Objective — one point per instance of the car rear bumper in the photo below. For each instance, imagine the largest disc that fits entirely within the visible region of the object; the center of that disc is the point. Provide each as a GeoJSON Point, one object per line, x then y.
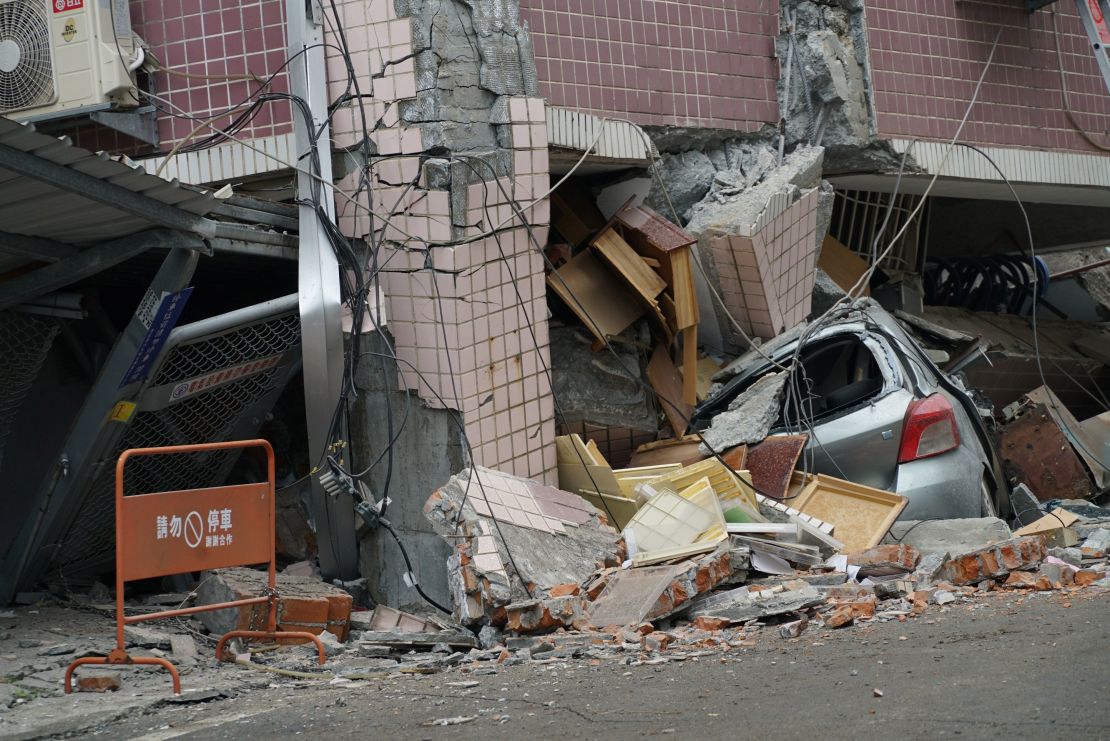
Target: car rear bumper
{"type": "Point", "coordinates": [945, 486]}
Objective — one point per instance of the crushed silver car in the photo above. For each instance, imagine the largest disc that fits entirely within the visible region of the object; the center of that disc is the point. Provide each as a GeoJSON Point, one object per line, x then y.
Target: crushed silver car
{"type": "Point", "coordinates": [878, 412]}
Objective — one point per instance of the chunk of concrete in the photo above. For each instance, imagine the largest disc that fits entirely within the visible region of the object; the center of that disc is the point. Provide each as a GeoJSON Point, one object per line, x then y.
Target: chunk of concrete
{"type": "Point", "coordinates": [995, 561]}
{"type": "Point", "coordinates": [304, 604]}
{"type": "Point", "coordinates": [749, 416]}
{"type": "Point", "coordinates": [727, 210]}
{"type": "Point", "coordinates": [687, 176]}
{"type": "Point", "coordinates": [951, 536]}
{"type": "Point", "coordinates": [508, 532]}
{"type": "Point", "coordinates": [600, 389]}
{"type": "Point", "coordinates": [739, 605]}
{"type": "Point", "coordinates": [1097, 544]}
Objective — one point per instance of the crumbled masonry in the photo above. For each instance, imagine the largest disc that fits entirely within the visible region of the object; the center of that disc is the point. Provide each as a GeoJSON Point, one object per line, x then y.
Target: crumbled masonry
{"type": "Point", "coordinates": [306, 604]}
{"type": "Point", "coordinates": [514, 540]}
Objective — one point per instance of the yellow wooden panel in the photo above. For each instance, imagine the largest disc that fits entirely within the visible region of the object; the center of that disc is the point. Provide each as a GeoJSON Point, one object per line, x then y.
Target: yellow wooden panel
{"type": "Point", "coordinates": [614, 250]}
{"type": "Point", "coordinates": [861, 514]}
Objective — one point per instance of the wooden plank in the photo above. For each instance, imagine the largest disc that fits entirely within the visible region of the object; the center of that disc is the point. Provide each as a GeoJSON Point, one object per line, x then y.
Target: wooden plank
{"type": "Point", "coordinates": [842, 265]}
{"type": "Point", "coordinates": [683, 450]}
{"type": "Point", "coordinates": [860, 514]}
{"type": "Point", "coordinates": [667, 384]}
{"type": "Point", "coordinates": [667, 307]}
{"type": "Point", "coordinates": [682, 286]}
{"type": "Point", "coordinates": [574, 215]}
{"type": "Point", "coordinates": [601, 300]}
{"type": "Point", "coordinates": [614, 250]}
{"type": "Point", "coordinates": [735, 458]}
{"type": "Point", "coordinates": [690, 360]}
{"type": "Point", "coordinates": [622, 509]}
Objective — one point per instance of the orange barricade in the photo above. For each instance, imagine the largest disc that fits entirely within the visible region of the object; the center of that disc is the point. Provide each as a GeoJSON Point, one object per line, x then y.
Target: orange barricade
{"type": "Point", "coordinates": [175, 532]}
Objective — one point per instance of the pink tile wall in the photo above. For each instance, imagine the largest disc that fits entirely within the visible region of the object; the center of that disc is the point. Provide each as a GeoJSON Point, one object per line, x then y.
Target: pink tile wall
{"type": "Point", "coordinates": [218, 39]}
{"type": "Point", "coordinates": [926, 56]}
{"type": "Point", "coordinates": [454, 311]}
{"type": "Point", "coordinates": [766, 279]}
{"type": "Point", "coordinates": [703, 63]}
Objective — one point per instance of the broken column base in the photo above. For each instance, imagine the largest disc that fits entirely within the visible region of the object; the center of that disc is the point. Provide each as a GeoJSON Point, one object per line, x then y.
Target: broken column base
{"type": "Point", "coordinates": [304, 604]}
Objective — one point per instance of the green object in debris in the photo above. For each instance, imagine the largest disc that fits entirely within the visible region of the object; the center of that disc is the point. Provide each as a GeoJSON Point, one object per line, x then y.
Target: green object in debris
{"type": "Point", "coordinates": [737, 514]}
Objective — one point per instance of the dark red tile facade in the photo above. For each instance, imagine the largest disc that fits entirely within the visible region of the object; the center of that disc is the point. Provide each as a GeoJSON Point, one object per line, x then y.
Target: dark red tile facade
{"type": "Point", "coordinates": [213, 40]}
{"type": "Point", "coordinates": [926, 56]}
{"type": "Point", "coordinates": [702, 63]}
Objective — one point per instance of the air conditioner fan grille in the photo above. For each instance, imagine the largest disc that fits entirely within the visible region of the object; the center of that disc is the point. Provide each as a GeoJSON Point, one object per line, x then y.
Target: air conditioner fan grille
{"type": "Point", "coordinates": [26, 71]}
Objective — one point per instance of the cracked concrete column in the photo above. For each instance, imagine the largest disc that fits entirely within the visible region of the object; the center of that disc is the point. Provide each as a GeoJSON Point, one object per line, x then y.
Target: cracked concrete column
{"type": "Point", "coordinates": [457, 142]}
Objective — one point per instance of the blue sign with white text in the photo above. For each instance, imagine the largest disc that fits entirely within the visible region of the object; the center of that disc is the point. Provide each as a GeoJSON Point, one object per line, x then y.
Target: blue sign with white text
{"type": "Point", "coordinates": [165, 319]}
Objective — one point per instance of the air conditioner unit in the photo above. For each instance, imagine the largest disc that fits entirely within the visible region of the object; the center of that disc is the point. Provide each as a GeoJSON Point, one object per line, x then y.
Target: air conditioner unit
{"type": "Point", "coordinates": [59, 56]}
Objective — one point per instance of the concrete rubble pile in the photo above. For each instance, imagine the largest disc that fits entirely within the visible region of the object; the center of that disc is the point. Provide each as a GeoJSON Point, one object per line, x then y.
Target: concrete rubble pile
{"type": "Point", "coordinates": [692, 575]}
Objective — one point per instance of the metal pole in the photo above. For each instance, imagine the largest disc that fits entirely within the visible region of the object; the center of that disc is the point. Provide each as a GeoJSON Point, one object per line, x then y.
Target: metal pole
{"type": "Point", "coordinates": [318, 281]}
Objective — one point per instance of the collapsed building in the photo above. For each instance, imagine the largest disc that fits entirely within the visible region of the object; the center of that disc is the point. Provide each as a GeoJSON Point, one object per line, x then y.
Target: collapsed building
{"type": "Point", "coordinates": [502, 223]}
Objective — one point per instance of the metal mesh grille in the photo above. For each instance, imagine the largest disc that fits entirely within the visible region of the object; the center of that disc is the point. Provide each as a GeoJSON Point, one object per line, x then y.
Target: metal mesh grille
{"type": "Point", "coordinates": [25, 340]}
{"type": "Point", "coordinates": [209, 416]}
{"type": "Point", "coordinates": [251, 343]}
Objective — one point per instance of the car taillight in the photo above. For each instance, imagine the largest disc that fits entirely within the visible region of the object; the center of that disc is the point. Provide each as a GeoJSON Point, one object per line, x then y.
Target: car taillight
{"type": "Point", "coordinates": [929, 429]}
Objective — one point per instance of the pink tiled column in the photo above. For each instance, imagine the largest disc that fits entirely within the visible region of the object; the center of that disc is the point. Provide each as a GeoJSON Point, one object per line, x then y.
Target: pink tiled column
{"type": "Point", "coordinates": [766, 278]}
{"type": "Point", "coordinates": [469, 321]}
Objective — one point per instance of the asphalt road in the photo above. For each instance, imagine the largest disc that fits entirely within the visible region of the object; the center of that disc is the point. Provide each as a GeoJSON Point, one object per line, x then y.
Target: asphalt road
{"type": "Point", "coordinates": [1002, 667]}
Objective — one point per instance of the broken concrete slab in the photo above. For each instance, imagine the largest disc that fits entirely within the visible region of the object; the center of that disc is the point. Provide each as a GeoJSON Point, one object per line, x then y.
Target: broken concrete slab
{"type": "Point", "coordinates": [1097, 545]}
{"type": "Point", "coordinates": [739, 605]}
{"type": "Point", "coordinates": [402, 639]}
{"type": "Point", "coordinates": [949, 536]}
{"type": "Point", "coordinates": [885, 560]}
{"type": "Point", "coordinates": [995, 561]}
{"type": "Point", "coordinates": [730, 210]}
{"type": "Point", "coordinates": [599, 389]}
{"type": "Point", "coordinates": [749, 416]}
{"type": "Point", "coordinates": [655, 592]}
{"type": "Point", "coordinates": [520, 547]}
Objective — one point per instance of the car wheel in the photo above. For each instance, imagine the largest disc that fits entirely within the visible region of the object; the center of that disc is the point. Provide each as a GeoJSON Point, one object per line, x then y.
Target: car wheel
{"type": "Point", "coordinates": [986, 496]}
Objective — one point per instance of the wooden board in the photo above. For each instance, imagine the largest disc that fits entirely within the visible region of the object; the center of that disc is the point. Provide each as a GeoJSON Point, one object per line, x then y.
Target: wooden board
{"type": "Point", "coordinates": [600, 299]}
{"type": "Point", "coordinates": [682, 450]}
{"type": "Point", "coordinates": [842, 265]}
{"type": "Point", "coordinates": [682, 288]}
{"type": "Point", "coordinates": [705, 369]}
{"type": "Point", "coordinates": [667, 384]}
{"type": "Point", "coordinates": [578, 469]}
{"type": "Point", "coordinates": [575, 215]}
{"type": "Point", "coordinates": [690, 360]}
{"type": "Point", "coordinates": [736, 458]}
{"type": "Point", "coordinates": [619, 510]}
{"type": "Point", "coordinates": [860, 514]}
{"type": "Point", "coordinates": [615, 251]}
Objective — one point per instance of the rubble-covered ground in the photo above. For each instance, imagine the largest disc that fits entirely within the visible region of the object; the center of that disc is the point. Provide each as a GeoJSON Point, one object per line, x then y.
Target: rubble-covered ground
{"type": "Point", "coordinates": [999, 664]}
